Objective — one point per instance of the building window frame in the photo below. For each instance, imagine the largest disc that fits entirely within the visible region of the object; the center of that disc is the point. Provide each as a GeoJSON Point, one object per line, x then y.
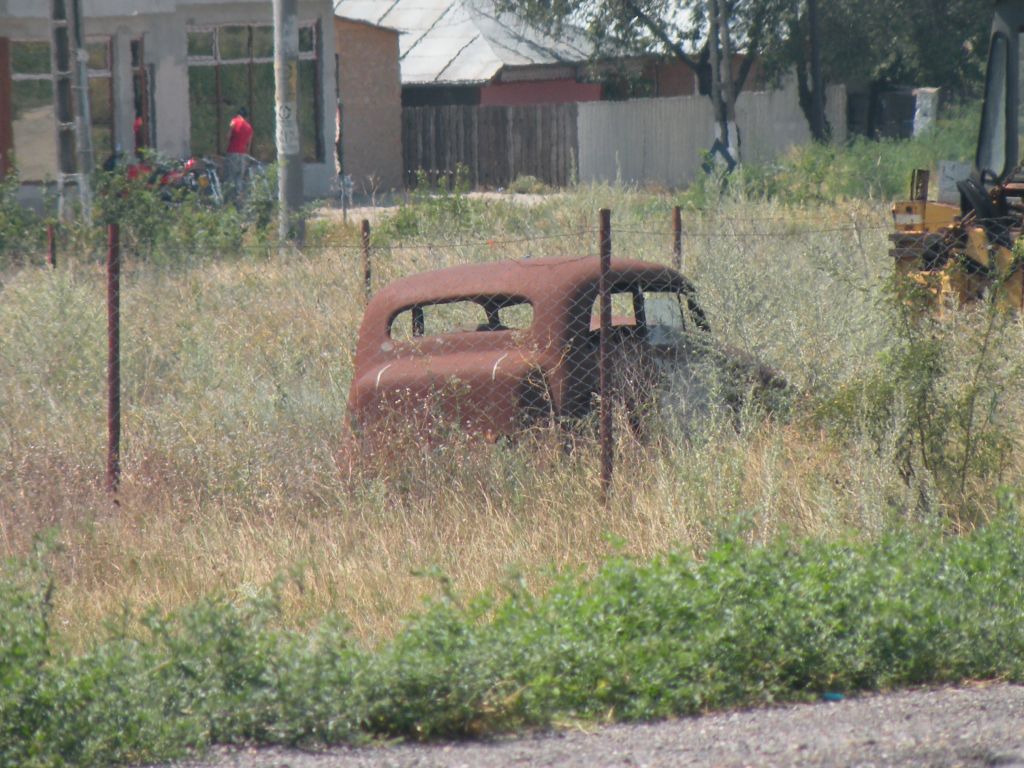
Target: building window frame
{"type": "Point", "coordinates": [96, 70]}
{"type": "Point", "coordinates": [23, 77]}
{"type": "Point", "coordinates": [214, 52]}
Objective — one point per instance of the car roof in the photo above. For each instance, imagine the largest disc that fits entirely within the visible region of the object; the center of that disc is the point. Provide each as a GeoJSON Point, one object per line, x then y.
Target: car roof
{"type": "Point", "coordinates": [536, 280]}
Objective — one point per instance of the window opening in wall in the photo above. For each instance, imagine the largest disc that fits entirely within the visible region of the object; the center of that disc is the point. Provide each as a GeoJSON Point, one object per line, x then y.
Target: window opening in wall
{"type": "Point", "coordinates": [101, 97]}
{"type": "Point", "coordinates": [31, 122]}
{"type": "Point", "coordinates": [142, 102]}
{"type": "Point", "coordinates": [232, 66]}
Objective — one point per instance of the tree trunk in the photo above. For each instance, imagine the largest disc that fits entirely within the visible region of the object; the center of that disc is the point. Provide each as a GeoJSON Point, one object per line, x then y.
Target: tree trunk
{"type": "Point", "coordinates": [721, 126]}
{"type": "Point", "coordinates": [819, 126]}
{"type": "Point", "coordinates": [810, 88]}
{"type": "Point", "coordinates": [728, 89]}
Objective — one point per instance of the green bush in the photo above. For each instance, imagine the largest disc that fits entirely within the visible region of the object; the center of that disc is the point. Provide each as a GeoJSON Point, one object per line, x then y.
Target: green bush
{"type": "Point", "coordinates": [22, 232]}
{"type": "Point", "coordinates": [526, 184]}
{"type": "Point", "coordinates": [861, 169]}
{"type": "Point", "coordinates": [941, 398]}
{"type": "Point", "coordinates": [744, 627]}
{"type": "Point", "coordinates": [174, 228]}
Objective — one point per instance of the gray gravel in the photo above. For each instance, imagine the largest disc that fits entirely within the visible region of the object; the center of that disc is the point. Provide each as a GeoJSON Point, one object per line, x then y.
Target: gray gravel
{"type": "Point", "coordinates": [977, 725]}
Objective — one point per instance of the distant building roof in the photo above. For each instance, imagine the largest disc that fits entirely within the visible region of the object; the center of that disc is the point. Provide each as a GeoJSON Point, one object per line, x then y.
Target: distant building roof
{"type": "Point", "coordinates": [446, 42]}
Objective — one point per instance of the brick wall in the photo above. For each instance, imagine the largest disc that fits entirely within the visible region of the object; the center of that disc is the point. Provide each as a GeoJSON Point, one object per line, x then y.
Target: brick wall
{"type": "Point", "coordinates": [371, 104]}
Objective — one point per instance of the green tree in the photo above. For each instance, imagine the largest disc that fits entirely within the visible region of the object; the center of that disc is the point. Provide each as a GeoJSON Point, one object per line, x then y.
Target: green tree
{"type": "Point", "coordinates": [919, 42]}
{"type": "Point", "coordinates": [701, 34]}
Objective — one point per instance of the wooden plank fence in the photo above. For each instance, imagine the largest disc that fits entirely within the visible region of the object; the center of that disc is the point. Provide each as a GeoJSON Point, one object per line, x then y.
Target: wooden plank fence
{"type": "Point", "coordinates": [496, 144]}
{"type": "Point", "coordinates": [637, 142]}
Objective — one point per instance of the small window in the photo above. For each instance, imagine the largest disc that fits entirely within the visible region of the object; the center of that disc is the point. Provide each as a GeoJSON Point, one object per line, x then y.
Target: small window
{"type": "Point", "coordinates": [624, 310]}
{"type": "Point", "coordinates": [99, 55]}
{"type": "Point", "coordinates": [263, 43]}
{"type": "Point", "coordinates": [657, 313]}
{"type": "Point", "coordinates": [34, 126]}
{"type": "Point", "coordinates": [30, 58]}
{"type": "Point", "coordinates": [233, 43]}
{"type": "Point", "coordinates": [200, 43]}
{"type": "Point", "coordinates": [481, 315]}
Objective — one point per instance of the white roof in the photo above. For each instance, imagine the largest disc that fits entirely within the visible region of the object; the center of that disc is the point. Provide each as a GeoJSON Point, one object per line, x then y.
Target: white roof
{"type": "Point", "coordinates": [462, 41]}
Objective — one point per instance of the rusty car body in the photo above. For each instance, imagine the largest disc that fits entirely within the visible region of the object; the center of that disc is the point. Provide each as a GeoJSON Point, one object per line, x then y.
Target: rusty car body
{"type": "Point", "coordinates": [498, 347]}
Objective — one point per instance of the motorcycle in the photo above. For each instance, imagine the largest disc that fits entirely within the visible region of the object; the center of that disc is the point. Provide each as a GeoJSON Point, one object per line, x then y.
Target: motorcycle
{"type": "Point", "coordinates": [174, 179]}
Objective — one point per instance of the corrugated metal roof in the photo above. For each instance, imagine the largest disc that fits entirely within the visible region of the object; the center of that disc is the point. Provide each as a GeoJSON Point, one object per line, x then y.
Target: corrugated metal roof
{"type": "Point", "coordinates": [462, 41]}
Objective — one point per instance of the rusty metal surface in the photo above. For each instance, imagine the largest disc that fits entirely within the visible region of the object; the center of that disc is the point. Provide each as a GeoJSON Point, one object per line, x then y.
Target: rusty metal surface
{"type": "Point", "coordinates": [490, 381]}
{"type": "Point", "coordinates": [605, 384]}
{"type": "Point", "coordinates": [113, 358]}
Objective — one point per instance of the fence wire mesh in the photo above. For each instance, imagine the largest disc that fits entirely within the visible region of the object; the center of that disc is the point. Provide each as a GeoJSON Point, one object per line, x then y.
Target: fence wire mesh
{"type": "Point", "coordinates": [496, 332]}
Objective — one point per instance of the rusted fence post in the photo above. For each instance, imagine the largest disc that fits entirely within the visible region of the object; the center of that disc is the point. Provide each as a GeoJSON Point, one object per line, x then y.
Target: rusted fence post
{"type": "Point", "coordinates": [677, 237]}
{"type": "Point", "coordinates": [51, 246]}
{"type": "Point", "coordinates": [365, 260]}
{"type": "Point", "coordinates": [113, 358]}
{"type": "Point", "coordinates": [604, 384]}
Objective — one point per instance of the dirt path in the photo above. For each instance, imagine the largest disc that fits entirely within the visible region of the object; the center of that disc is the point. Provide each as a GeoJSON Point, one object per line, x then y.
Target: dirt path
{"type": "Point", "coordinates": [980, 725]}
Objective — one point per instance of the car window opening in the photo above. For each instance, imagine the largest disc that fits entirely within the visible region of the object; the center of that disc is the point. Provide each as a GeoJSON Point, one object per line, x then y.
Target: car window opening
{"type": "Point", "coordinates": [481, 314]}
{"type": "Point", "coordinates": [651, 313]}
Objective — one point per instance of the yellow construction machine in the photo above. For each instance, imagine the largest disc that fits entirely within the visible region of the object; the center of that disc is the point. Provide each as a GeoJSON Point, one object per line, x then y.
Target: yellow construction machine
{"type": "Point", "coordinates": [964, 252]}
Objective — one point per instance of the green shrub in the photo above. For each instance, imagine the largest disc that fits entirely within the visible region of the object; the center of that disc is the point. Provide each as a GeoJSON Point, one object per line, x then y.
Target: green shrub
{"type": "Point", "coordinates": [861, 169]}
{"type": "Point", "coordinates": [524, 184]}
{"type": "Point", "coordinates": [943, 398]}
{"type": "Point", "coordinates": [22, 232]}
{"type": "Point", "coordinates": [744, 627]}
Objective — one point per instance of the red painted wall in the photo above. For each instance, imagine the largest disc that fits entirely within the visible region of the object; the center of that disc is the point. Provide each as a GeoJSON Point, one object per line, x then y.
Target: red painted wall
{"type": "Point", "coordinates": [538, 92]}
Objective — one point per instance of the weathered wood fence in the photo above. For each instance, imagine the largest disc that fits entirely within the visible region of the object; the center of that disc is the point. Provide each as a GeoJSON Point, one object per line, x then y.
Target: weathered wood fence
{"type": "Point", "coordinates": [640, 141]}
{"type": "Point", "coordinates": [496, 144]}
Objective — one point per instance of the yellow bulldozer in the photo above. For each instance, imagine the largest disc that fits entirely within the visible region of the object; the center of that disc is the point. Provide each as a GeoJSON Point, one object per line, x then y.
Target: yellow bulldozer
{"type": "Point", "coordinates": [962, 253]}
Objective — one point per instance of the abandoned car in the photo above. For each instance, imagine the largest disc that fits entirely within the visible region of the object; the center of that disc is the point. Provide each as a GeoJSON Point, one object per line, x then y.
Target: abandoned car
{"type": "Point", "coordinates": [495, 348]}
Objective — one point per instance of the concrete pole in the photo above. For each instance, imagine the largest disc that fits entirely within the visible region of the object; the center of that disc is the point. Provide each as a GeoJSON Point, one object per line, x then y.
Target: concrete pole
{"type": "Point", "coordinates": [604, 375]}
{"type": "Point", "coordinates": [286, 88]}
{"type": "Point", "coordinates": [113, 358]}
{"type": "Point", "coordinates": [83, 115]}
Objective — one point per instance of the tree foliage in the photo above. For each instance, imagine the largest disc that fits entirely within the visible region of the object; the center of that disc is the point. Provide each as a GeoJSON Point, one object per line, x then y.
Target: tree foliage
{"type": "Point", "coordinates": [938, 43]}
{"type": "Point", "coordinates": [863, 42]}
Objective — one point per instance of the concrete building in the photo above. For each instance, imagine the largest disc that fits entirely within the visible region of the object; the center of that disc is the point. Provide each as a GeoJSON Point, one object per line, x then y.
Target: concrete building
{"type": "Point", "coordinates": [167, 74]}
{"type": "Point", "coordinates": [370, 105]}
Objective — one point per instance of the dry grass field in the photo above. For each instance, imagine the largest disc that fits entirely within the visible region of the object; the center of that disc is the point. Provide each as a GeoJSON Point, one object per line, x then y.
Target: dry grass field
{"type": "Point", "coordinates": [236, 372]}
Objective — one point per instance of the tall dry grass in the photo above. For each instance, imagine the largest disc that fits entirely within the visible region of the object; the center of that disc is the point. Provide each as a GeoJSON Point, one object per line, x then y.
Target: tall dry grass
{"type": "Point", "coordinates": [235, 380]}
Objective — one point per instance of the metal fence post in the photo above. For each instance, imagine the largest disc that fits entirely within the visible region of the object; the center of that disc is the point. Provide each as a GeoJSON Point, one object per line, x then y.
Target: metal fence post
{"type": "Point", "coordinates": [366, 258]}
{"type": "Point", "coordinates": [113, 359]}
{"type": "Point", "coordinates": [607, 449]}
{"type": "Point", "coordinates": [51, 246]}
{"type": "Point", "coordinates": [677, 237]}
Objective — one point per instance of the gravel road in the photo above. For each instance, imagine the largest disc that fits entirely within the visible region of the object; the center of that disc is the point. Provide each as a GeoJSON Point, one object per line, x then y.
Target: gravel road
{"type": "Point", "coordinates": [977, 725]}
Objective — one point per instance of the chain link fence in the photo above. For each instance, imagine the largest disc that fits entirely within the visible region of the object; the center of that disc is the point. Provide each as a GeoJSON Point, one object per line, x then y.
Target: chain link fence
{"type": "Point", "coordinates": [589, 334]}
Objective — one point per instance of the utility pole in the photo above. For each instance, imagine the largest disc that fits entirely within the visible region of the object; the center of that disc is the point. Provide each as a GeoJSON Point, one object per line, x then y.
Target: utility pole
{"type": "Point", "coordinates": [83, 116]}
{"type": "Point", "coordinates": [286, 88]}
{"type": "Point", "coordinates": [71, 105]}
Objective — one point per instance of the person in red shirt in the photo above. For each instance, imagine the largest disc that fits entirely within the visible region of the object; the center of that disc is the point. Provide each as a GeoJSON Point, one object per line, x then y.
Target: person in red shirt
{"type": "Point", "coordinates": [139, 129]}
{"type": "Point", "coordinates": [239, 141]}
